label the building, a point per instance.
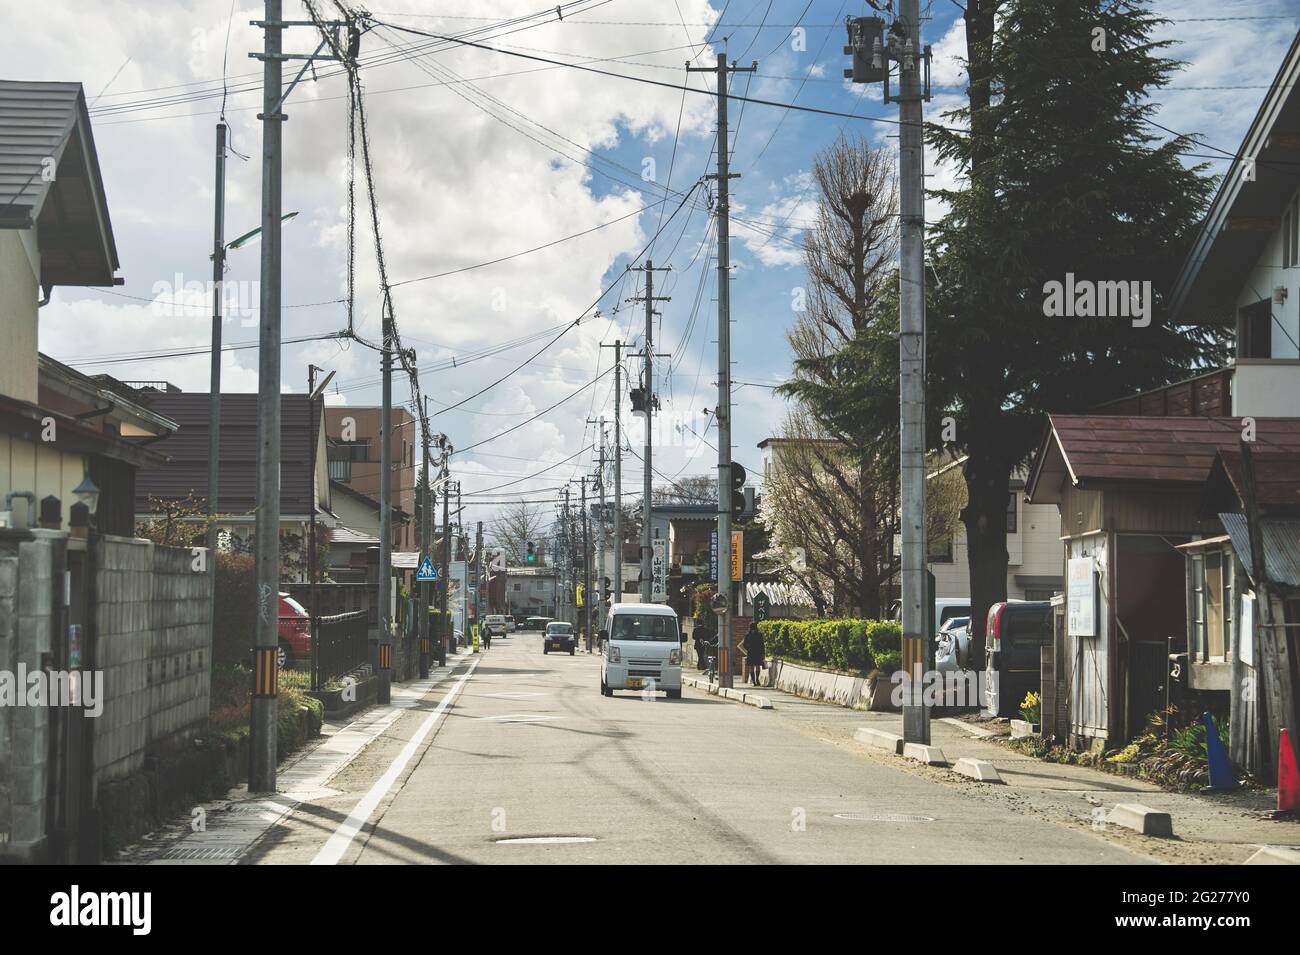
(531, 591)
(304, 489)
(77, 593)
(1033, 548)
(354, 460)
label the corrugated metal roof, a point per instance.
(346, 535)
(43, 127)
(187, 470)
(1281, 546)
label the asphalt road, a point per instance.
(518, 745)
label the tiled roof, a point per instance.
(47, 149)
(1179, 450)
(1277, 476)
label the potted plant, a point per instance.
(1031, 710)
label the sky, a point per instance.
(479, 155)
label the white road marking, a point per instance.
(543, 840)
(518, 718)
(338, 843)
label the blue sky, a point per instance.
(463, 178)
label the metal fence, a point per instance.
(342, 645)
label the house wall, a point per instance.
(41, 469)
(1087, 659)
(19, 268)
(1271, 387)
(403, 442)
(1033, 551)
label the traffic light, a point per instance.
(532, 553)
(866, 46)
(737, 491)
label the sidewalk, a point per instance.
(233, 824)
(1208, 827)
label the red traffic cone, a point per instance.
(1288, 776)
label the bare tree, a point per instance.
(515, 526)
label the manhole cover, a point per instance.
(543, 840)
(883, 817)
(201, 852)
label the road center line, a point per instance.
(338, 843)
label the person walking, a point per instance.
(754, 651)
(701, 635)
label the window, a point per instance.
(1291, 234)
(351, 450)
(1255, 330)
(940, 551)
(1212, 606)
(1011, 513)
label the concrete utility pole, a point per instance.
(873, 48)
(618, 472)
(214, 386)
(444, 626)
(426, 536)
(917, 655)
(723, 411)
(586, 564)
(650, 399)
(383, 657)
(263, 708)
(604, 541)
(479, 582)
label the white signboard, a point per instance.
(658, 573)
(1081, 598)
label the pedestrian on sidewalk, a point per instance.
(701, 637)
(754, 651)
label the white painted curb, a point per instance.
(879, 739)
(1143, 819)
(979, 769)
(929, 755)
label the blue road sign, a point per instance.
(426, 570)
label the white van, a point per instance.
(642, 650)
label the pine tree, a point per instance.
(1064, 174)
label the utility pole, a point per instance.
(723, 411)
(586, 565)
(873, 50)
(479, 582)
(214, 386)
(618, 472)
(603, 545)
(443, 625)
(651, 401)
(263, 710)
(426, 537)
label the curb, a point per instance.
(879, 739)
(978, 731)
(1143, 819)
(977, 769)
(1275, 855)
(729, 693)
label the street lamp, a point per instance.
(87, 492)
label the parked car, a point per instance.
(295, 632)
(559, 636)
(1014, 633)
(537, 623)
(952, 645)
(510, 624)
(494, 624)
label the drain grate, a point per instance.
(883, 817)
(543, 840)
(201, 852)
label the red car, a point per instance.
(295, 632)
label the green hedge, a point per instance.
(840, 644)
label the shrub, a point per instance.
(843, 644)
(236, 608)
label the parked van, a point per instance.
(642, 650)
(1014, 633)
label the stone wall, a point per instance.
(152, 645)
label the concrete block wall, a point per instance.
(26, 622)
(152, 619)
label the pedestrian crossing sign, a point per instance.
(426, 570)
